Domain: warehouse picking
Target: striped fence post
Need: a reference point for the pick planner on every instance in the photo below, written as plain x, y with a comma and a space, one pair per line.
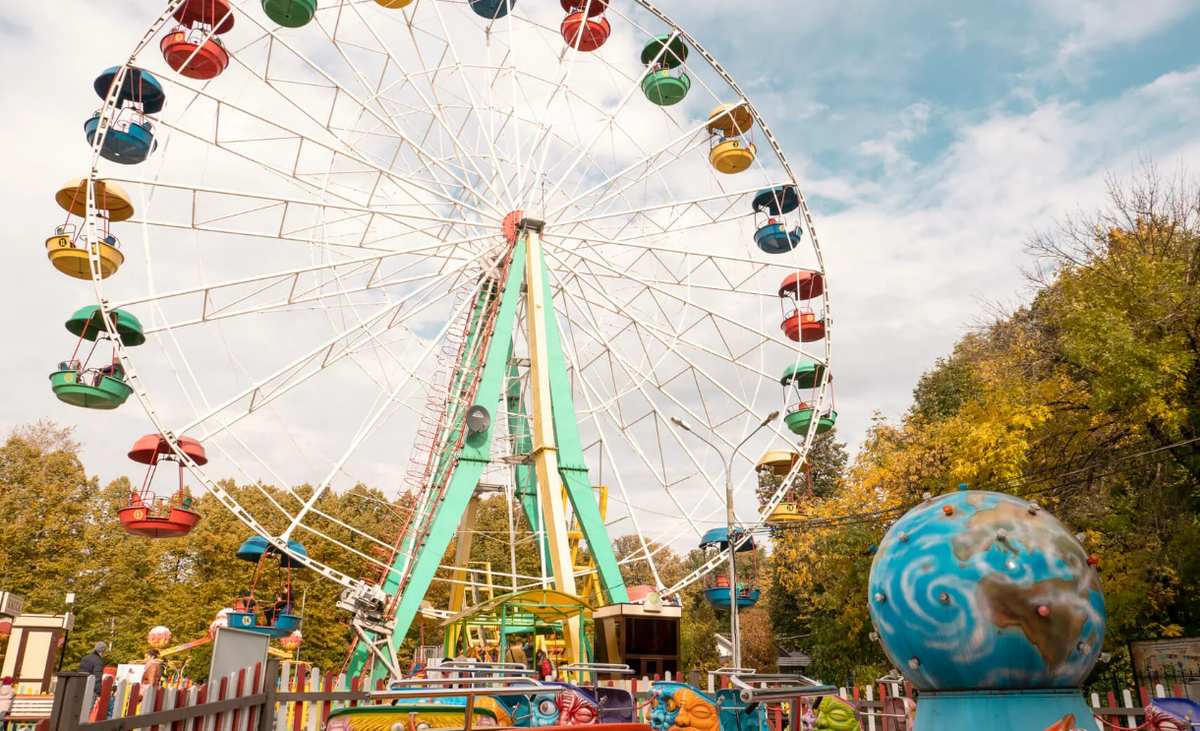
870, 693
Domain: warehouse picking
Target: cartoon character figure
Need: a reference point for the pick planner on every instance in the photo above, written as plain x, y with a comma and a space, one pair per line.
677, 706
836, 714
576, 709
1171, 714
544, 711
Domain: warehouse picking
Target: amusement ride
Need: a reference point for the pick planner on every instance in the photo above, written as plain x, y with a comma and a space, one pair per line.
462, 250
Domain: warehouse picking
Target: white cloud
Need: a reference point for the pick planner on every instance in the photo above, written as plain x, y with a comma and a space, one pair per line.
1099, 24
914, 122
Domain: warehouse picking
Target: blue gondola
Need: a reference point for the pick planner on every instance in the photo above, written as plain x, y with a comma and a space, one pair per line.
492, 9
773, 235
716, 587
130, 137
278, 619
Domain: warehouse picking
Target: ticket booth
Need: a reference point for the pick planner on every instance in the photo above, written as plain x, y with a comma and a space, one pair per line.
643, 636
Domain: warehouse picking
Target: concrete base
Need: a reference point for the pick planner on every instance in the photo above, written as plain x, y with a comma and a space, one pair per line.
997, 710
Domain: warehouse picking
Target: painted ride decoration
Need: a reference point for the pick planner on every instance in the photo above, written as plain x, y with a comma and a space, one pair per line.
130, 136
193, 47
771, 209
153, 516
802, 381
801, 323
665, 83
279, 619
992, 609
716, 587
833, 713
585, 28
79, 382
731, 144
68, 248
158, 637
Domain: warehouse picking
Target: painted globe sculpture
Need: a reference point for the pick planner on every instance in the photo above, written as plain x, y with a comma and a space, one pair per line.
980, 591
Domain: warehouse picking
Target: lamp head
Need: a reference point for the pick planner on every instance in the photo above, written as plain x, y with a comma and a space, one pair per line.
680, 423
770, 417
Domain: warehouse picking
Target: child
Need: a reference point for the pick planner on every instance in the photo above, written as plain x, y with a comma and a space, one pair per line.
7, 694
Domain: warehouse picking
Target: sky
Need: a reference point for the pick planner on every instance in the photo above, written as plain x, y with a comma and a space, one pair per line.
932, 138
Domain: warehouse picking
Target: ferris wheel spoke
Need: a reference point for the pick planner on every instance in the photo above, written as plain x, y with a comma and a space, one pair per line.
589, 390
268, 202
687, 205
595, 242
668, 341
324, 355
666, 292
295, 295
584, 323
433, 111
292, 174
634, 87
374, 419
476, 112
646, 159
265, 78
345, 148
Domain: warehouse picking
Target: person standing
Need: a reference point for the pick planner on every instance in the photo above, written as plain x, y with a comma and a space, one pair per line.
545, 668
93, 664
152, 675
516, 653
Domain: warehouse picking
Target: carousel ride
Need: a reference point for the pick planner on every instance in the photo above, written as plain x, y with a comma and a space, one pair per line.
523, 280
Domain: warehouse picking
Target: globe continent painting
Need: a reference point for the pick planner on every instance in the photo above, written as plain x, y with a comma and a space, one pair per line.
980, 590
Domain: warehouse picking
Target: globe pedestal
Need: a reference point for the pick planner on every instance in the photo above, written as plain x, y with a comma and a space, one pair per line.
1001, 710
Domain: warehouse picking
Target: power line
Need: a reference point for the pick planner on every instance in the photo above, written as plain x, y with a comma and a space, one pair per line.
887, 513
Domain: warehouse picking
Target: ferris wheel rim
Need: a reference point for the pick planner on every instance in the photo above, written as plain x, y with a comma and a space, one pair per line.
232, 504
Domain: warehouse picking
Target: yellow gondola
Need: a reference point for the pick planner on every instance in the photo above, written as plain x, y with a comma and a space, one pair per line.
779, 464
731, 152
68, 250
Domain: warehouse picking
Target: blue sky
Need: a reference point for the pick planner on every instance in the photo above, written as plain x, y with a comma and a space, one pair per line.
933, 138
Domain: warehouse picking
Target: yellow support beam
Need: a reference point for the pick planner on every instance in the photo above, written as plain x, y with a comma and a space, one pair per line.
545, 450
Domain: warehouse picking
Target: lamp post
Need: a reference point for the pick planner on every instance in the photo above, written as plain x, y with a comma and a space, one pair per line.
734, 632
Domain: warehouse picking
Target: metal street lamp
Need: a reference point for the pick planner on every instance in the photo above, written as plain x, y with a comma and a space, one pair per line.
730, 520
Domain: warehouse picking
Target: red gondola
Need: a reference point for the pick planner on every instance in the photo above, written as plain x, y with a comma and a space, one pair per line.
585, 34
192, 47
800, 322
161, 517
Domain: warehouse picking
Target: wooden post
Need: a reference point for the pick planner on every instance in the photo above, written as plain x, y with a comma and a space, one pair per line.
135, 698
298, 708
270, 687
100, 712
69, 701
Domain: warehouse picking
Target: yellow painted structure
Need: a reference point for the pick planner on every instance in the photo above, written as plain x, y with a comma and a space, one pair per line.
110, 198
394, 4
732, 156
545, 451
730, 120
75, 262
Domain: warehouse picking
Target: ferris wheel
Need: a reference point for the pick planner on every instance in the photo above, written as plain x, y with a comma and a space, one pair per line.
449, 248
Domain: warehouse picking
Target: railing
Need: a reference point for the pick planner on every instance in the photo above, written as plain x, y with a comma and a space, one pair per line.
279, 697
